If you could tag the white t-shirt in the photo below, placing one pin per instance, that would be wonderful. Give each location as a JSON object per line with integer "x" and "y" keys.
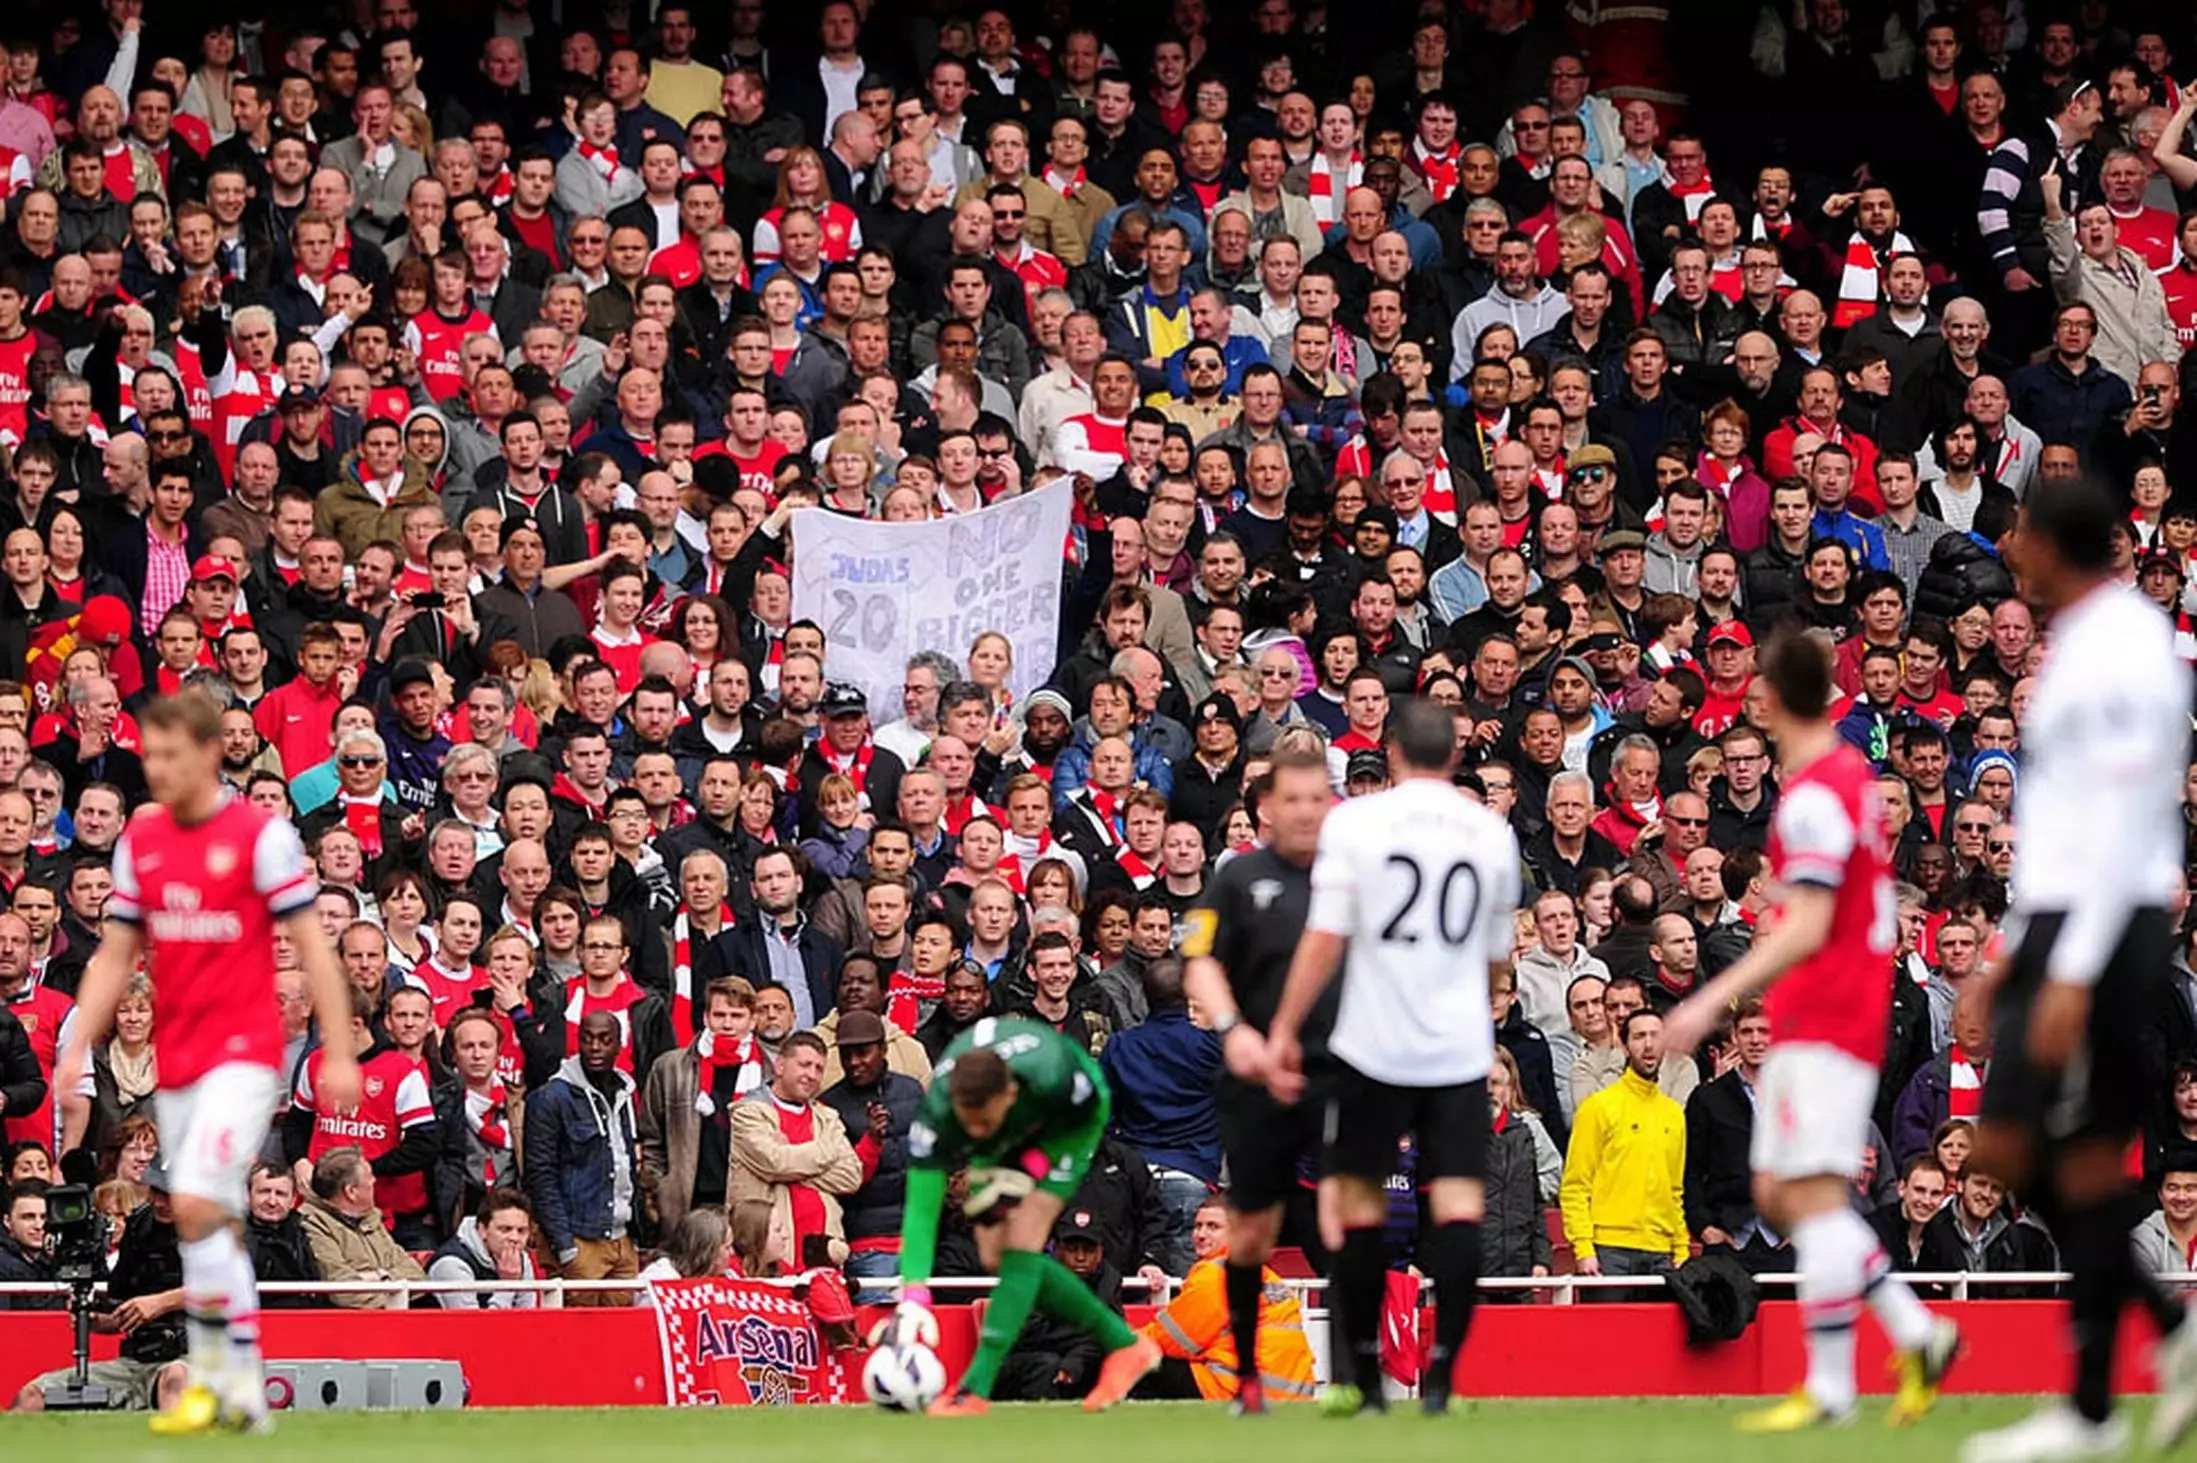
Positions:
{"x": 2104, "y": 748}
{"x": 1423, "y": 881}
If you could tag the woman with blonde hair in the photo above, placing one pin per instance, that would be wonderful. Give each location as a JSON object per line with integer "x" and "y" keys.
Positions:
{"x": 850, "y": 470}
{"x": 802, "y": 182}
{"x": 124, "y": 1073}
{"x": 991, "y": 661}
{"x": 540, "y": 693}
{"x": 412, "y": 129}
{"x": 1515, "y": 1237}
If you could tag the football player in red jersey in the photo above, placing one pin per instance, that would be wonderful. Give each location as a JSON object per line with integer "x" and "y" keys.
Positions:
{"x": 202, "y": 881}
{"x": 1829, "y": 954}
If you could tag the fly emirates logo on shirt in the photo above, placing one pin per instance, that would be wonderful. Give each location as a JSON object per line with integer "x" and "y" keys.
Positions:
{"x": 180, "y": 919}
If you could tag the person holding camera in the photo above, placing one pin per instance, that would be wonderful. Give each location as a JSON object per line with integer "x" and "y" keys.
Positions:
{"x": 143, "y": 1304}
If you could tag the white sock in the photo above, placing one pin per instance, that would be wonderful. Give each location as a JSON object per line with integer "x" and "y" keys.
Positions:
{"x": 209, "y": 1278}
{"x": 243, "y": 1316}
{"x": 1906, "y": 1320}
{"x": 1830, "y": 1305}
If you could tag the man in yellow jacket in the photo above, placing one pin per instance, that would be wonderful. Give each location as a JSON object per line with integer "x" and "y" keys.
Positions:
{"x": 1624, "y": 1178}
{"x": 1193, "y": 1329}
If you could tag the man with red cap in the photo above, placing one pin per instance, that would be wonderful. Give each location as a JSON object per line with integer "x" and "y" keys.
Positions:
{"x": 1731, "y": 658}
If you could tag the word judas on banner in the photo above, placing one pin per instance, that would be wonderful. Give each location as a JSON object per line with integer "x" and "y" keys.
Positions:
{"x": 883, "y": 591}
{"x": 738, "y": 1343}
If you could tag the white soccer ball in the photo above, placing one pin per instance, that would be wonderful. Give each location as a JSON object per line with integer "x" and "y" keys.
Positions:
{"x": 903, "y": 1378}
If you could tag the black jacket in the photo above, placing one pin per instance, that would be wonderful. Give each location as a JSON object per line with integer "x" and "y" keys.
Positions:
{"x": 22, "y": 1081}
{"x": 741, "y": 948}
{"x": 874, "y": 1209}
{"x": 1536, "y": 1070}
{"x": 17, "y": 1267}
{"x": 2017, "y": 1246}
{"x": 148, "y": 1262}
{"x": 1124, "y": 1207}
{"x": 281, "y": 1252}
{"x": 1513, "y": 1237}
{"x": 1720, "y": 1123}
{"x": 545, "y": 1041}
{"x": 1769, "y": 583}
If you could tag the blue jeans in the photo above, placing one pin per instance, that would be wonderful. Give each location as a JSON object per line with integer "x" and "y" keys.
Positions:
{"x": 1179, "y": 1194}
{"x": 881, "y": 1265}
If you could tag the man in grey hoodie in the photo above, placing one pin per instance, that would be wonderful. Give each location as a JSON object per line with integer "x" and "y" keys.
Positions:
{"x": 1675, "y": 549}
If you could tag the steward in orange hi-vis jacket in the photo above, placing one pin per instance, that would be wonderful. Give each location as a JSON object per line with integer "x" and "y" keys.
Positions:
{"x": 1194, "y": 1327}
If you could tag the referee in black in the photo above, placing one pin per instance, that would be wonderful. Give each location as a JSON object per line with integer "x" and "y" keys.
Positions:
{"x": 1241, "y": 937}
{"x": 2105, "y": 742}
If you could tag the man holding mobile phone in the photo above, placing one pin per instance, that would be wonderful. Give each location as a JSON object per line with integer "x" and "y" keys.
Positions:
{"x": 877, "y": 1104}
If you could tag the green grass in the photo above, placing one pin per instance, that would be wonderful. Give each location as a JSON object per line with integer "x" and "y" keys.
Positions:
{"x": 1646, "y": 1431}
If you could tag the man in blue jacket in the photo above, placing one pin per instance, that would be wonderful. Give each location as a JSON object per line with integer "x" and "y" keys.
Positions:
{"x": 1162, "y": 1073}
{"x": 582, "y": 1163}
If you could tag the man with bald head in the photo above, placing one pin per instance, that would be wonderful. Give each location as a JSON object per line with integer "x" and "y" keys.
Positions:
{"x": 523, "y": 874}
{"x": 1936, "y": 391}
{"x": 130, "y": 169}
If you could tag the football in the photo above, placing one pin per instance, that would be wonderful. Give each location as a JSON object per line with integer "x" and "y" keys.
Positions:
{"x": 903, "y": 1378}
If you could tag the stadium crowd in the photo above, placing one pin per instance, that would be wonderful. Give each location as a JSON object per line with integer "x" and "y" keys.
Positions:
{"x": 440, "y": 394}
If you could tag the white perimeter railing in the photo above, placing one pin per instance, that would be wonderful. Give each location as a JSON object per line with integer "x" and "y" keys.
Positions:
{"x": 1963, "y": 1285}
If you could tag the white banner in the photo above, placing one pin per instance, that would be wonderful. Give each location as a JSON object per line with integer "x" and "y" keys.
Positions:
{"x": 883, "y": 591}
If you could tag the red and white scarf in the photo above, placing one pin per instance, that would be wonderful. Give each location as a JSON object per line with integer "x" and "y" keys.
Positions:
{"x": 488, "y": 1119}
{"x": 1439, "y": 169}
{"x": 1964, "y": 1087}
{"x": 623, "y": 997}
{"x": 683, "y": 994}
{"x": 1069, "y": 186}
{"x": 960, "y": 810}
{"x": 1141, "y": 874}
{"x": 1693, "y": 195}
{"x": 1321, "y": 185}
{"x": 856, "y": 765}
{"x": 907, "y": 996}
{"x": 1108, "y": 809}
{"x": 1439, "y": 496}
{"x": 605, "y": 160}
{"x": 739, "y": 1057}
{"x": 1861, "y": 281}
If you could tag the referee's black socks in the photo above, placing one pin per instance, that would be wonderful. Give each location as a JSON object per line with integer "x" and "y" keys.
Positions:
{"x": 1450, "y": 1257}
{"x": 1359, "y": 1282}
{"x": 2106, "y": 1276}
{"x": 1244, "y": 1290}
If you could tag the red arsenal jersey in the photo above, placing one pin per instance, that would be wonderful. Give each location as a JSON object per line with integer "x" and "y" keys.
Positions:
{"x": 436, "y": 340}
{"x": 15, "y": 390}
{"x": 44, "y": 1015}
{"x": 393, "y": 1098}
{"x": 1828, "y": 833}
{"x": 207, "y": 898}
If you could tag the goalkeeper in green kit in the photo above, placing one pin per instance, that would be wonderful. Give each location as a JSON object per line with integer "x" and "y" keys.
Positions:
{"x": 1023, "y": 1109}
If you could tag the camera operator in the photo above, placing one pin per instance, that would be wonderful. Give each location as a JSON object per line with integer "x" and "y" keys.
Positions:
{"x": 143, "y": 1304}
{"x": 23, "y": 1247}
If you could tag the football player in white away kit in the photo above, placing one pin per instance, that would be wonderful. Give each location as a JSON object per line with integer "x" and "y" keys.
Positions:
{"x": 1828, "y": 956}
{"x": 201, "y": 882}
{"x": 2089, "y": 946}
{"x": 1419, "y": 883}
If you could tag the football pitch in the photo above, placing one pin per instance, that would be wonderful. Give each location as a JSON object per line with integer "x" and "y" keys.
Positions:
{"x": 1639, "y": 1431}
